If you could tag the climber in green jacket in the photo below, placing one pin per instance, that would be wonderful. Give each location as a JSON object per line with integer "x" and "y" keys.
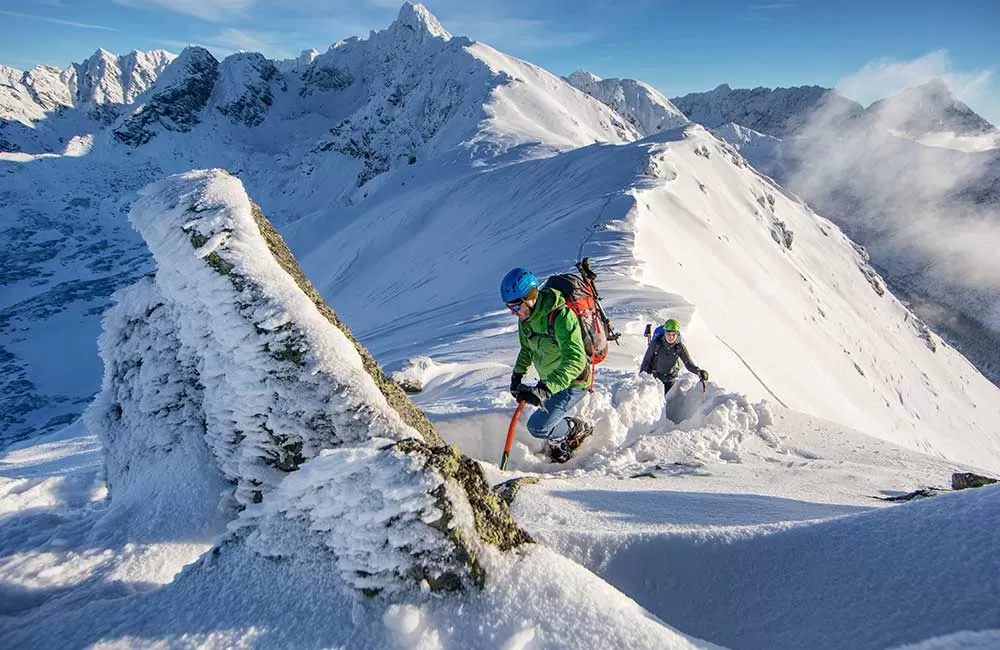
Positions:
{"x": 559, "y": 358}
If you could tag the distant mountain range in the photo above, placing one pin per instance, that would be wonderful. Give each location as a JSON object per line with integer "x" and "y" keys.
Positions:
{"x": 907, "y": 177}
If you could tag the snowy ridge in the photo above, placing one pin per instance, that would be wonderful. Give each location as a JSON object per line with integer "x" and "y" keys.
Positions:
{"x": 919, "y": 152}
{"x": 778, "y": 302}
{"x": 642, "y": 105}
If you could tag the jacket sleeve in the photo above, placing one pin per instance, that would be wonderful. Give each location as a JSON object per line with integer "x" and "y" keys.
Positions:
{"x": 523, "y": 361}
{"x": 686, "y": 358}
{"x": 647, "y": 359}
{"x": 573, "y": 357}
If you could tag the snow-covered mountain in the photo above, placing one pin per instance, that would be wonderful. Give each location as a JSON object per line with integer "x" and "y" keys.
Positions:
{"x": 408, "y": 172}
{"x": 314, "y": 139}
{"x": 915, "y": 178}
{"x": 641, "y": 104}
{"x": 43, "y": 108}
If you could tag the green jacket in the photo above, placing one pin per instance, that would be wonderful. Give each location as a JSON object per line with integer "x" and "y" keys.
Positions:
{"x": 560, "y": 363}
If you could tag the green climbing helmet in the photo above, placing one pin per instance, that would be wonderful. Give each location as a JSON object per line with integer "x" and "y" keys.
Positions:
{"x": 671, "y": 325}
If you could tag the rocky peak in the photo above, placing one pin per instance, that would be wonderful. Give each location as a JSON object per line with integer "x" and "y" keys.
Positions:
{"x": 175, "y": 100}
{"x": 97, "y": 80}
{"x": 248, "y": 82}
{"x": 417, "y": 19}
{"x": 10, "y": 76}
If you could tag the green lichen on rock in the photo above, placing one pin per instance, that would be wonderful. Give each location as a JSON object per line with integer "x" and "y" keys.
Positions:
{"x": 493, "y": 522}
{"x": 393, "y": 393}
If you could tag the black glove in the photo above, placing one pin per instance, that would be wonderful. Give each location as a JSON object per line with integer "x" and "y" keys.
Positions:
{"x": 703, "y": 374}
{"x": 534, "y": 395}
{"x": 515, "y": 382}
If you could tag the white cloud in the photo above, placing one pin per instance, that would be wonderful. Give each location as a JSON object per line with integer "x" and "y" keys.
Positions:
{"x": 211, "y": 10}
{"x": 905, "y": 200}
{"x": 57, "y": 21}
{"x": 884, "y": 77}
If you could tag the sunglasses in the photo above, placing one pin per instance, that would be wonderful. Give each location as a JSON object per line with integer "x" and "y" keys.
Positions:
{"x": 515, "y": 306}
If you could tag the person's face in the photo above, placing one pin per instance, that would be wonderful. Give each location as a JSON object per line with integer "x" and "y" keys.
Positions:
{"x": 671, "y": 336}
{"x": 521, "y": 308}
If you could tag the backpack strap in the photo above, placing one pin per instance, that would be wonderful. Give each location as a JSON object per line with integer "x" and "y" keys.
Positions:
{"x": 552, "y": 323}
{"x": 590, "y": 362}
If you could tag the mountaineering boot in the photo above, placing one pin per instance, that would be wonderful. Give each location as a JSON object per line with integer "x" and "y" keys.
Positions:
{"x": 579, "y": 430}
{"x": 561, "y": 449}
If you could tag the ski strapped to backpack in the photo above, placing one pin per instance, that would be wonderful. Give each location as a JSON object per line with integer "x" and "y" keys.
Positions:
{"x": 582, "y": 298}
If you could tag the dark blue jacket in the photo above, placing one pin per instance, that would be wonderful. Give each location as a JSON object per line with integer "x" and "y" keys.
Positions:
{"x": 661, "y": 357}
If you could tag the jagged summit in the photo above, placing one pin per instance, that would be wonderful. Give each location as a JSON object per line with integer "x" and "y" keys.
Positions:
{"x": 416, "y": 17}
{"x": 777, "y": 112}
{"x": 581, "y": 78}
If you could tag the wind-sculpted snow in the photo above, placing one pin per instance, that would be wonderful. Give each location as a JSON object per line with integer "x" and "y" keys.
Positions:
{"x": 150, "y": 414}
{"x": 226, "y": 352}
{"x": 378, "y": 509}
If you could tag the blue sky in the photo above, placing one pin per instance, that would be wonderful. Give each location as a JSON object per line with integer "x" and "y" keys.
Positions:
{"x": 869, "y": 47}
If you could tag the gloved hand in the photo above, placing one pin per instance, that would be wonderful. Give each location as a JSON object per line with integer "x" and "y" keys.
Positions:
{"x": 515, "y": 383}
{"x": 703, "y": 374}
{"x": 534, "y": 395}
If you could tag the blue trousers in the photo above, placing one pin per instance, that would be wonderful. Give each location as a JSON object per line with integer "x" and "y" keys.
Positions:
{"x": 548, "y": 422}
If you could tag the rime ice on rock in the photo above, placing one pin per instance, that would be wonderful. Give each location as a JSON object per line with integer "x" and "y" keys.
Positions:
{"x": 231, "y": 349}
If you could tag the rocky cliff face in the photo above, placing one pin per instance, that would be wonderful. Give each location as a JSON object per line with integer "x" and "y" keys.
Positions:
{"x": 177, "y": 100}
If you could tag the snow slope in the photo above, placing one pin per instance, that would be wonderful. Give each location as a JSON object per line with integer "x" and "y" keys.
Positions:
{"x": 314, "y": 139}
{"x": 914, "y": 178}
{"x": 707, "y": 514}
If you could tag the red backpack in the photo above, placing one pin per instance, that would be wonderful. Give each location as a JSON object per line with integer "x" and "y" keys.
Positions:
{"x": 582, "y": 302}
{"x": 581, "y": 297}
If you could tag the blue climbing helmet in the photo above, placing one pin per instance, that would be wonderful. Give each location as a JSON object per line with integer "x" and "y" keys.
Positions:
{"x": 516, "y": 284}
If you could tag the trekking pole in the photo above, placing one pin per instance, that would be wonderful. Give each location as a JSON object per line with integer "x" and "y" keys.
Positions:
{"x": 648, "y": 333}
{"x": 703, "y": 386}
{"x": 510, "y": 435}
